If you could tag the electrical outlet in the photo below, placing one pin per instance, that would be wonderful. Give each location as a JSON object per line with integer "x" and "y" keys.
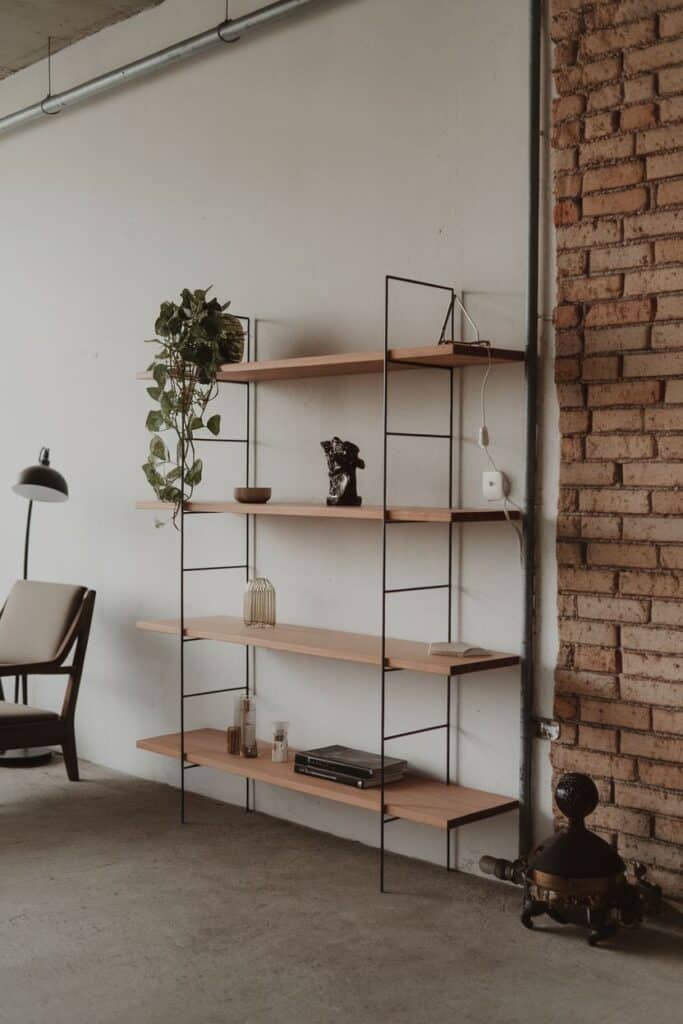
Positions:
{"x": 495, "y": 485}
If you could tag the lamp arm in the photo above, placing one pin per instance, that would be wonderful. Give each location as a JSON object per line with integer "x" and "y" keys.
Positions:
{"x": 26, "y": 540}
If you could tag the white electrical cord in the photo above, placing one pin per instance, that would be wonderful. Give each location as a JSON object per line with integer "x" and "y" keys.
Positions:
{"x": 484, "y": 444}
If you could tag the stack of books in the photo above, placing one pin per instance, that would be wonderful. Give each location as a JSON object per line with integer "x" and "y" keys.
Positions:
{"x": 349, "y": 767}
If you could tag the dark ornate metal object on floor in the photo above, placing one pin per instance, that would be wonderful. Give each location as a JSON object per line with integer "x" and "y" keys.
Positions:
{"x": 342, "y": 462}
{"x": 575, "y": 877}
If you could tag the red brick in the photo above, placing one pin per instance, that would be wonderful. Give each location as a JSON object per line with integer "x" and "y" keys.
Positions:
{"x": 567, "y": 369}
{"x": 670, "y": 81}
{"x": 598, "y": 739}
{"x": 638, "y": 89}
{"x": 567, "y": 80}
{"x": 616, "y": 819}
{"x": 587, "y": 473}
{"x": 671, "y": 24}
{"x": 653, "y": 474}
{"x": 667, "y": 721}
{"x": 667, "y": 279}
{"x": 580, "y": 235}
{"x": 566, "y": 108}
{"x": 599, "y": 71}
{"x": 613, "y": 609}
{"x": 657, "y": 528}
{"x": 572, "y": 449}
{"x": 598, "y": 126}
{"x": 635, "y": 34}
{"x": 564, "y": 160}
{"x": 642, "y": 116}
{"x": 668, "y": 613}
{"x": 568, "y": 185}
{"x": 668, "y": 503}
{"x": 669, "y": 829}
{"x": 591, "y": 684}
{"x": 567, "y": 211}
{"x": 668, "y": 250}
{"x": 568, "y": 133}
{"x": 629, "y": 312}
{"x": 608, "y": 14}
{"x": 670, "y": 307}
{"x": 618, "y": 446}
{"x": 569, "y": 554}
{"x": 565, "y": 707}
{"x": 656, "y": 747}
{"x": 573, "y": 631}
{"x": 600, "y": 368}
{"x": 619, "y": 257}
{"x": 565, "y": 53}
{"x": 654, "y": 692}
{"x": 654, "y": 364}
{"x": 616, "y": 176}
{"x": 636, "y": 555}
{"x": 670, "y": 193}
{"x": 617, "y": 339}
{"x": 605, "y": 420}
{"x": 652, "y": 638}
{"x": 596, "y": 659}
{"x": 608, "y": 712}
{"x": 606, "y": 98}
{"x": 594, "y": 581}
{"x": 624, "y": 393}
{"x": 568, "y": 527}
{"x": 646, "y": 799}
{"x": 604, "y": 150}
{"x": 664, "y": 419}
{"x": 671, "y": 448}
{"x": 653, "y": 666}
{"x": 665, "y": 775}
{"x": 665, "y": 222}
{"x": 567, "y": 316}
{"x": 568, "y": 343}
{"x": 588, "y": 289}
{"x": 671, "y": 884}
{"x": 615, "y": 500}
{"x": 571, "y": 263}
{"x": 574, "y": 421}
{"x": 671, "y": 109}
{"x": 635, "y": 848}
{"x": 650, "y": 583}
{"x": 672, "y": 558}
{"x": 658, "y": 140}
{"x": 606, "y": 765}
{"x": 667, "y": 166}
{"x": 653, "y": 57}
{"x": 601, "y": 528}
{"x": 570, "y": 396}
{"x": 608, "y": 203}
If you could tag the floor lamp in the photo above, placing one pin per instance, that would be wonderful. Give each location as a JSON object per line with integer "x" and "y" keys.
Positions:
{"x": 35, "y": 483}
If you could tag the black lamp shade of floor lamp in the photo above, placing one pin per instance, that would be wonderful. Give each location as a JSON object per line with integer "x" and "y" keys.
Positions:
{"x": 35, "y": 483}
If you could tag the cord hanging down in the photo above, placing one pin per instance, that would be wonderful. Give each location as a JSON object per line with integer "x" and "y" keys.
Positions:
{"x": 49, "y": 80}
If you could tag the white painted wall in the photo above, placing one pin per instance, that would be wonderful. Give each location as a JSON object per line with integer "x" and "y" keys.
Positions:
{"x": 292, "y": 171}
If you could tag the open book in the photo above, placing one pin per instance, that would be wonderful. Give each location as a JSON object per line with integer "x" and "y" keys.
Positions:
{"x": 460, "y": 649}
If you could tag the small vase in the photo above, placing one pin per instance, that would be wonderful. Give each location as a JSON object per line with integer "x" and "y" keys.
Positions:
{"x": 259, "y": 603}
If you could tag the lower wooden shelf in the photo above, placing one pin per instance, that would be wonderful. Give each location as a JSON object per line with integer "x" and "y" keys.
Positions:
{"x": 422, "y": 800}
{"x": 329, "y": 643}
{"x": 316, "y": 510}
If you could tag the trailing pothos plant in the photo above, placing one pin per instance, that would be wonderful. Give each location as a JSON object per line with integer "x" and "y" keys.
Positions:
{"x": 194, "y": 338}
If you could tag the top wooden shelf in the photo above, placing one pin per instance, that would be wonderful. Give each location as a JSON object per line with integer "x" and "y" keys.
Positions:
{"x": 451, "y": 354}
{"x": 313, "y": 510}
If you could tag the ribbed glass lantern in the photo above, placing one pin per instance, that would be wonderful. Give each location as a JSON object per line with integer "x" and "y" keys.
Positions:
{"x": 259, "y": 603}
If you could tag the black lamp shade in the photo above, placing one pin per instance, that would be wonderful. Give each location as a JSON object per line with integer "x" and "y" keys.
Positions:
{"x": 41, "y": 482}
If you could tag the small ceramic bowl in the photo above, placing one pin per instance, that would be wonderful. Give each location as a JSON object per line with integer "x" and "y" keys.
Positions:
{"x": 253, "y": 495}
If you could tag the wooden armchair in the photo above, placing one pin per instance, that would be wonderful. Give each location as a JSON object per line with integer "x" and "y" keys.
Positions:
{"x": 40, "y": 625}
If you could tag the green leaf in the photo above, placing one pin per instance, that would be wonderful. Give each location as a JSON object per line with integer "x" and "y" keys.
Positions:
{"x": 154, "y": 393}
{"x": 214, "y": 424}
{"x": 196, "y": 423}
{"x": 158, "y": 449}
{"x": 174, "y": 474}
{"x": 160, "y": 374}
{"x": 154, "y": 420}
{"x": 194, "y": 474}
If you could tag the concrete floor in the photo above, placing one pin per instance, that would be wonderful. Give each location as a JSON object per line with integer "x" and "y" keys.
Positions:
{"x": 112, "y": 912}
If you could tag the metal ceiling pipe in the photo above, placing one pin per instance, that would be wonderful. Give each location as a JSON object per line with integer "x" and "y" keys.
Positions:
{"x": 227, "y": 32}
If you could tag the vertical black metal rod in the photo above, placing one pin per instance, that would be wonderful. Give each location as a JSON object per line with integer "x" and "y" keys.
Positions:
{"x": 385, "y": 393}
{"x": 182, "y": 600}
{"x": 450, "y": 572}
{"x": 532, "y": 295}
{"x": 27, "y": 538}
{"x": 247, "y": 527}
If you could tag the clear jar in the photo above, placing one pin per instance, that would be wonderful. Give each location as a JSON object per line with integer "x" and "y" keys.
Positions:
{"x": 259, "y": 603}
{"x": 246, "y": 720}
{"x": 280, "y": 745}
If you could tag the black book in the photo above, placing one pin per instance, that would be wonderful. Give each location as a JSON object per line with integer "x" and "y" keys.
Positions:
{"x": 345, "y": 779}
{"x": 359, "y": 763}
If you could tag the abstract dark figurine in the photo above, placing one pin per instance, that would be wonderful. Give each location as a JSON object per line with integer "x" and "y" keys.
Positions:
{"x": 342, "y": 463}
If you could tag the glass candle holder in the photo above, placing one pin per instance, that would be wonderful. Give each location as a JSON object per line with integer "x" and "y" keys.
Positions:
{"x": 259, "y": 603}
{"x": 280, "y": 745}
{"x": 245, "y": 707}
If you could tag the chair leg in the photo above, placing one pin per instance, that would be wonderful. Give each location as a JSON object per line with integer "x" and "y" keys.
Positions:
{"x": 70, "y": 755}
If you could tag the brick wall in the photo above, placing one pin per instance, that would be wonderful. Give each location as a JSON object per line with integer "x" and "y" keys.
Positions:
{"x": 618, "y": 163}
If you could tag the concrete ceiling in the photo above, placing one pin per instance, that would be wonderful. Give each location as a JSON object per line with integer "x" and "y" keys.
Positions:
{"x": 26, "y": 24}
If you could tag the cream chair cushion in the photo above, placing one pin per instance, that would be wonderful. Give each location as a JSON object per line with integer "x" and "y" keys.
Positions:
{"x": 35, "y": 620}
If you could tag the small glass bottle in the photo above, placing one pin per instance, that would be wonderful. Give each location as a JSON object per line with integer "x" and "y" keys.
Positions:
{"x": 246, "y": 719}
{"x": 259, "y": 603}
{"x": 280, "y": 746}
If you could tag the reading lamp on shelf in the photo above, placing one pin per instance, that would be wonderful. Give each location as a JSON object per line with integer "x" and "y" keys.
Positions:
{"x": 35, "y": 483}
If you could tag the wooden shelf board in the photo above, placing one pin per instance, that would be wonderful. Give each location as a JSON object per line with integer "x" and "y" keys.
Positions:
{"x": 452, "y": 354}
{"x": 328, "y": 643}
{"x": 398, "y": 514}
{"x": 417, "y": 799}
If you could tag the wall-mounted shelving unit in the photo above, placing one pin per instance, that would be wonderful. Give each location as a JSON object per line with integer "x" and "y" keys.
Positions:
{"x": 441, "y": 804}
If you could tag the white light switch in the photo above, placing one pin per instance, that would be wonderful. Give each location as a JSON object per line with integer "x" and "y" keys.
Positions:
{"x": 495, "y": 485}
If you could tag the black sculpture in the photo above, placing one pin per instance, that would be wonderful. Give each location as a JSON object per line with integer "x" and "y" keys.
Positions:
{"x": 342, "y": 463}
